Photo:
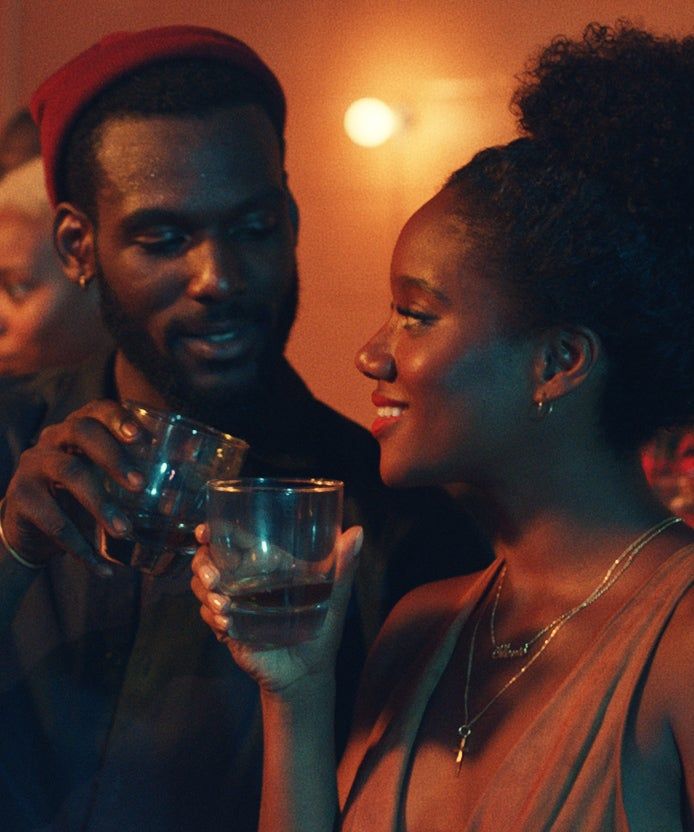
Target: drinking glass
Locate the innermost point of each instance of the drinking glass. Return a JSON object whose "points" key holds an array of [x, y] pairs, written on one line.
{"points": [[177, 457], [273, 541]]}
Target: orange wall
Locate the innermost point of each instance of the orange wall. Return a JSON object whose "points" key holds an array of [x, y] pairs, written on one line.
{"points": [[448, 62]]}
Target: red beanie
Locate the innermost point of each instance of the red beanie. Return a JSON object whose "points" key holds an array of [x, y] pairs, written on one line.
{"points": [[58, 102]]}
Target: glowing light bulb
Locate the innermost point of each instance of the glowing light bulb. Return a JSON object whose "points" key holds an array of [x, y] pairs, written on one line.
{"points": [[370, 122]]}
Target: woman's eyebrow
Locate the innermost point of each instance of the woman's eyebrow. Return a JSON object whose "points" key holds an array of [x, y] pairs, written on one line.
{"points": [[424, 285]]}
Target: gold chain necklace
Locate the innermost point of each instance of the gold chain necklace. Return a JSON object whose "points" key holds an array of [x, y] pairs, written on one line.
{"points": [[616, 570]]}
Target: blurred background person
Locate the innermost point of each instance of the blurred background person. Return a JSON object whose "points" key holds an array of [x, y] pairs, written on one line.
{"points": [[669, 465], [19, 141], [45, 320]]}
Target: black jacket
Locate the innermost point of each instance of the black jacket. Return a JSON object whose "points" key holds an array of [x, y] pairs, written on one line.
{"points": [[118, 708]]}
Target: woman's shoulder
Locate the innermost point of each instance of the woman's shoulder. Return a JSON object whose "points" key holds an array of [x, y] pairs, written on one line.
{"points": [[660, 739], [671, 675], [422, 613], [429, 605], [417, 624]]}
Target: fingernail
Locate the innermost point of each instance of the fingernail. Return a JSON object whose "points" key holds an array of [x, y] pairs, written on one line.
{"points": [[207, 574], [218, 604], [119, 523], [136, 479], [130, 429], [221, 622]]}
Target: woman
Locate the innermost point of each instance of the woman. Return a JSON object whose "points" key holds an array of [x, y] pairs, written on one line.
{"points": [[45, 320], [540, 333], [19, 141]]}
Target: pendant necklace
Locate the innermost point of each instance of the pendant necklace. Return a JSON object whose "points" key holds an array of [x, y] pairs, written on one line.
{"points": [[616, 570]]}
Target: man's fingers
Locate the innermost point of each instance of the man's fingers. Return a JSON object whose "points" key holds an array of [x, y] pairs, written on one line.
{"points": [[55, 526], [90, 439], [119, 421]]}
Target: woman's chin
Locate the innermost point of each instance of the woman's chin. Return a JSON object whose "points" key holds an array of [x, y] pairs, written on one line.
{"points": [[398, 476]]}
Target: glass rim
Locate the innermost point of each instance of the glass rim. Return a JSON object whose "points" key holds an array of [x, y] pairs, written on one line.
{"points": [[237, 485], [172, 417]]}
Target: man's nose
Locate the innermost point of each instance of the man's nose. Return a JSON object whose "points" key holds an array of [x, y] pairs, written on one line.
{"points": [[216, 271], [375, 359]]}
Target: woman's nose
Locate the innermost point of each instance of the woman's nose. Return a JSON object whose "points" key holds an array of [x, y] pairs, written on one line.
{"points": [[375, 360]]}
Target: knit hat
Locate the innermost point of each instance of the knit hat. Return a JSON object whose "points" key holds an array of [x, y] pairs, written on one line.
{"points": [[62, 97]]}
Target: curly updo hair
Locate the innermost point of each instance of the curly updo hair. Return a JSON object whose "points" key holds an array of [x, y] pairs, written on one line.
{"points": [[588, 218]]}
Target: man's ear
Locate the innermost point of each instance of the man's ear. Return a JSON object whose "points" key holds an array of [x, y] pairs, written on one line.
{"points": [[73, 235], [566, 358]]}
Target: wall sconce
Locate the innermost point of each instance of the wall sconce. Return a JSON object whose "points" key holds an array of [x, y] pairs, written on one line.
{"points": [[370, 122]]}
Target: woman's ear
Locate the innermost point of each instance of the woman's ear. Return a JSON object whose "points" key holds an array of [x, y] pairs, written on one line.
{"points": [[73, 235], [566, 358]]}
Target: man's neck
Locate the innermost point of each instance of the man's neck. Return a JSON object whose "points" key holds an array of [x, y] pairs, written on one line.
{"points": [[132, 385]]}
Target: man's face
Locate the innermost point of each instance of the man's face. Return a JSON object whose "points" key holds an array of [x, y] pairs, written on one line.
{"points": [[195, 256]]}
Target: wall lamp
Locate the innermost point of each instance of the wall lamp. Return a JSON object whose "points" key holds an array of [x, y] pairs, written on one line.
{"points": [[370, 122]]}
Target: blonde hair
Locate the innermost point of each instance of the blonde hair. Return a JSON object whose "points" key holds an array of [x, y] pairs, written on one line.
{"points": [[23, 190]]}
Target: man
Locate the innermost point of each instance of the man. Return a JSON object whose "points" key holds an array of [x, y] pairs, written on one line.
{"points": [[164, 157]]}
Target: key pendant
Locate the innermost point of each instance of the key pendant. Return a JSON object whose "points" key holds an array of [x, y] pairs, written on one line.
{"points": [[463, 732]]}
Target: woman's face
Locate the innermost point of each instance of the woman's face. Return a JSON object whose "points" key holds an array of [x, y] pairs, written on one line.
{"points": [[454, 388], [42, 321]]}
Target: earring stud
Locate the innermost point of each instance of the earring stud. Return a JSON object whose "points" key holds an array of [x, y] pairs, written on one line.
{"points": [[541, 408]]}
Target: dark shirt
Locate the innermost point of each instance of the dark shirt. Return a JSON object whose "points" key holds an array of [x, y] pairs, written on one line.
{"points": [[118, 708]]}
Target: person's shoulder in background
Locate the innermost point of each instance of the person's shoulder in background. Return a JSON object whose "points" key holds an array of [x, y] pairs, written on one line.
{"points": [[29, 403]]}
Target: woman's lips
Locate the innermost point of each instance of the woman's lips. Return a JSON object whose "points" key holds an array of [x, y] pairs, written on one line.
{"points": [[388, 412]]}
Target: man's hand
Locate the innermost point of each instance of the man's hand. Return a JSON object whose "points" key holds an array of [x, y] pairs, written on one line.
{"points": [[64, 476]]}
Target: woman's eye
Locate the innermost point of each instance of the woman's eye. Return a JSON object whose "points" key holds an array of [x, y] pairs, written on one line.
{"points": [[414, 317], [17, 290]]}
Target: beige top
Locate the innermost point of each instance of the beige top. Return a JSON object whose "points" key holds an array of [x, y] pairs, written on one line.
{"points": [[565, 772]]}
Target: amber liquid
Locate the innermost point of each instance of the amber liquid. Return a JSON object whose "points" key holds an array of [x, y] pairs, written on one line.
{"points": [[280, 612], [156, 532], [162, 544]]}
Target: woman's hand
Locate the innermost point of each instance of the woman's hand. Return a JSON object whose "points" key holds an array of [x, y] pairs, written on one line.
{"points": [[64, 476], [280, 670]]}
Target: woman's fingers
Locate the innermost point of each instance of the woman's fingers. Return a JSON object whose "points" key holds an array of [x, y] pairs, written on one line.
{"points": [[347, 549], [215, 606], [205, 579], [202, 533], [204, 569]]}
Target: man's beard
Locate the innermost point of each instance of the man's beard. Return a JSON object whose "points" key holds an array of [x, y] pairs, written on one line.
{"points": [[233, 410]]}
